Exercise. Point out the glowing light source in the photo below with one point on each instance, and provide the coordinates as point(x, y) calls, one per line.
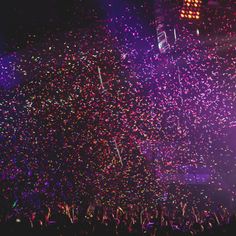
point(191, 9)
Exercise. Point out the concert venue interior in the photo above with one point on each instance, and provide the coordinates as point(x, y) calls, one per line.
point(118, 117)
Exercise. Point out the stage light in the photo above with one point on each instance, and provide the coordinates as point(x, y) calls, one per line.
point(191, 9)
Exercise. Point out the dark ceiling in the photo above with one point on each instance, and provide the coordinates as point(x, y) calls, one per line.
point(19, 19)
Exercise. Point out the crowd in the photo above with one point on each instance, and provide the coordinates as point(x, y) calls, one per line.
point(132, 220)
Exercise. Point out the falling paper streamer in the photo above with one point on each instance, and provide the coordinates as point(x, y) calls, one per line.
point(100, 77)
point(118, 152)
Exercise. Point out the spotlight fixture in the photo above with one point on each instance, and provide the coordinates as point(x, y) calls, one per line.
point(191, 9)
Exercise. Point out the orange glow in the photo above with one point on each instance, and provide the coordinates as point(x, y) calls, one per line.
point(191, 9)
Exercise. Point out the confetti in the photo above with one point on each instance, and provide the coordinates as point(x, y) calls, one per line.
point(160, 122)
